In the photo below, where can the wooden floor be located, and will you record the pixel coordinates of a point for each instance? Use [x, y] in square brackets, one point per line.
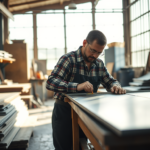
[42, 134]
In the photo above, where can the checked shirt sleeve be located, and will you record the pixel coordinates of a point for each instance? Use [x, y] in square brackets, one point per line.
[108, 81]
[57, 81]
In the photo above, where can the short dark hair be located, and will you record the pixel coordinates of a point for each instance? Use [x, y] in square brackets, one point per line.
[96, 35]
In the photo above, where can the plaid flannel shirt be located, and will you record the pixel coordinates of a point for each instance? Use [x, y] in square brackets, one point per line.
[61, 79]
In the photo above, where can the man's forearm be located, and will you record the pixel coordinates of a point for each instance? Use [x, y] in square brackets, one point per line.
[59, 85]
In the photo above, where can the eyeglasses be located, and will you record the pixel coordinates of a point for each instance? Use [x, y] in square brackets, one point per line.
[95, 52]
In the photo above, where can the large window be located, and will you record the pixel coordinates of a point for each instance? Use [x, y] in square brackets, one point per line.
[140, 32]
[50, 37]
[78, 24]
[109, 20]
[53, 41]
[22, 29]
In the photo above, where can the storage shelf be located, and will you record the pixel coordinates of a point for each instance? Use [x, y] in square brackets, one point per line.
[7, 60]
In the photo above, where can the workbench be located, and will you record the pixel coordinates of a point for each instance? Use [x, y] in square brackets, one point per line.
[110, 121]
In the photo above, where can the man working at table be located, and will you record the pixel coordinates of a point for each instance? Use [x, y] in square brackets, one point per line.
[77, 72]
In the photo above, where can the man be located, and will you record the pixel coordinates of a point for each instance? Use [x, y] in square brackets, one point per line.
[78, 71]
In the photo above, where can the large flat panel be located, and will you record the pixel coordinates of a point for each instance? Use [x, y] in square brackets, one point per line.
[123, 114]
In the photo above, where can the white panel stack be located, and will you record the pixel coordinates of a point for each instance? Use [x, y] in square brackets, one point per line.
[13, 118]
[4, 54]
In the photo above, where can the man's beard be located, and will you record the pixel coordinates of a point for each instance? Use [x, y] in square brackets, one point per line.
[87, 58]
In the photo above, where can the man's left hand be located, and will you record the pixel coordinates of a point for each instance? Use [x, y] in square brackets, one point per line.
[118, 90]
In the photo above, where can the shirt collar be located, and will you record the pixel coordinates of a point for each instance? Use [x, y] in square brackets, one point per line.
[80, 57]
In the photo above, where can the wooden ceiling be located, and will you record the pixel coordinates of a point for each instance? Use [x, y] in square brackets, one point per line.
[22, 6]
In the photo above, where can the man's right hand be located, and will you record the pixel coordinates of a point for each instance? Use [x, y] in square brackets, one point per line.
[86, 86]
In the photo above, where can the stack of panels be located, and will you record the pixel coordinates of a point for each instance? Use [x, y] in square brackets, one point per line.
[4, 54]
[13, 114]
[141, 83]
[21, 140]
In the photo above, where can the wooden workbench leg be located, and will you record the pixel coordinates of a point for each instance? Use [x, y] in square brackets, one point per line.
[75, 130]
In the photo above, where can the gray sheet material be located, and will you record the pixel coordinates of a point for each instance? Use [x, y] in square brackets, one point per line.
[140, 83]
[3, 119]
[5, 106]
[9, 121]
[136, 88]
[122, 114]
[143, 78]
[7, 110]
[7, 129]
[7, 140]
[104, 135]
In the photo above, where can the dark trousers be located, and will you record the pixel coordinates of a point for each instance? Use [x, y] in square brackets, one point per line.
[62, 127]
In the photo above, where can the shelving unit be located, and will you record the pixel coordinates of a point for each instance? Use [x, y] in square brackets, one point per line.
[3, 63]
[7, 60]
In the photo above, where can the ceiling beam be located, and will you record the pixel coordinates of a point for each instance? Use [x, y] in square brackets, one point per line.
[61, 2]
[34, 5]
[51, 6]
[5, 11]
[13, 2]
[30, 2]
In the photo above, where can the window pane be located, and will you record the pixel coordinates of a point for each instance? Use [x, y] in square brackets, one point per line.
[50, 20]
[139, 58]
[132, 29]
[134, 62]
[133, 44]
[76, 35]
[142, 42]
[112, 27]
[21, 21]
[131, 12]
[141, 4]
[51, 37]
[51, 53]
[78, 26]
[138, 24]
[42, 54]
[31, 56]
[138, 42]
[145, 5]
[22, 29]
[85, 7]
[109, 4]
[146, 40]
[142, 58]
[50, 34]
[22, 33]
[146, 57]
[79, 19]
[140, 33]
[51, 63]
[59, 53]
[138, 8]
[146, 23]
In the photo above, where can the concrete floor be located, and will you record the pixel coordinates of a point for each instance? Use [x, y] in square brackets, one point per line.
[42, 134]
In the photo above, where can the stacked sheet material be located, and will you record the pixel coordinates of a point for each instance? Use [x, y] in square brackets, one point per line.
[13, 116]
[141, 83]
[4, 54]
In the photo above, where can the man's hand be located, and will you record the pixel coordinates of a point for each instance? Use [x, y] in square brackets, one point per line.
[117, 90]
[86, 86]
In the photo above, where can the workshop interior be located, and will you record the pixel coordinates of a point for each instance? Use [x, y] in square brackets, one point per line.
[34, 37]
